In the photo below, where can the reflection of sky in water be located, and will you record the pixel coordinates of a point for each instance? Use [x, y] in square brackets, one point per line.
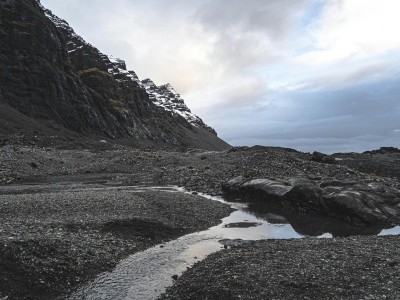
[263, 231]
[146, 274]
[391, 231]
[266, 230]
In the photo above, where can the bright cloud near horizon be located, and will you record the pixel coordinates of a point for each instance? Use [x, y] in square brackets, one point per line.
[307, 74]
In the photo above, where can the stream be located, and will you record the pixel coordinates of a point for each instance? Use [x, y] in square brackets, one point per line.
[146, 275]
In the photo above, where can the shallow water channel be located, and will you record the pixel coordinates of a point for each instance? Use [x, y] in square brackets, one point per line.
[146, 275]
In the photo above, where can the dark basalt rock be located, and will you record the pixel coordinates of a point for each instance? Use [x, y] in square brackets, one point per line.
[322, 158]
[371, 204]
[49, 73]
[255, 189]
[311, 223]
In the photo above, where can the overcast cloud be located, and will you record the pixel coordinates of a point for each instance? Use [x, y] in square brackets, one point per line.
[307, 74]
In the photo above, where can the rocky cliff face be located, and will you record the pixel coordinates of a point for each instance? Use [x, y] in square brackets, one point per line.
[48, 72]
[166, 97]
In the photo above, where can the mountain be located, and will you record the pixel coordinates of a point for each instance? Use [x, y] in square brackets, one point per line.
[48, 73]
[166, 97]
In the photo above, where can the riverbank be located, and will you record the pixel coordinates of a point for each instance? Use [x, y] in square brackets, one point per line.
[54, 237]
[343, 268]
[67, 212]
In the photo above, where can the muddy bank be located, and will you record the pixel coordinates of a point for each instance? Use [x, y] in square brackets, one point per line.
[350, 268]
[54, 237]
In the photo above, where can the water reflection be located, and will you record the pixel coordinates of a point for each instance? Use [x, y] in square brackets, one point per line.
[310, 224]
[145, 275]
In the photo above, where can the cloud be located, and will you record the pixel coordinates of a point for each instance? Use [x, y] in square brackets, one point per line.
[358, 117]
[250, 32]
[356, 29]
[273, 17]
[306, 73]
[342, 76]
[187, 43]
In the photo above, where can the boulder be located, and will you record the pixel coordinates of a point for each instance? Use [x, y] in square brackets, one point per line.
[373, 204]
[255, 189]
[269, 187]
[322, 158]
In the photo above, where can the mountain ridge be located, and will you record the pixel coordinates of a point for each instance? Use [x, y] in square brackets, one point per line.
[117, 67]
[51, 73]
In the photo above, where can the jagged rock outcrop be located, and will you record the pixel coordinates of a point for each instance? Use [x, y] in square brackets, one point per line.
[166, 97]
[373, 204]
[48, 72]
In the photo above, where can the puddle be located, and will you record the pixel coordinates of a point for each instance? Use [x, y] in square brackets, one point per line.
[390, 231]
[146, 275]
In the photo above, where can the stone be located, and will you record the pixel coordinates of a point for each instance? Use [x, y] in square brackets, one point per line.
[269, 187]
[373, 204]
[33, 165]
[322, 158]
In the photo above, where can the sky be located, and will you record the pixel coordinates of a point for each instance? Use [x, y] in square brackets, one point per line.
[306, 74]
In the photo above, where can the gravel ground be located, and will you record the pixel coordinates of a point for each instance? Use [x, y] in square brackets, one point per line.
[54, 237]
[351, 268]
[384, 164]
[66, 214]
[195, 169]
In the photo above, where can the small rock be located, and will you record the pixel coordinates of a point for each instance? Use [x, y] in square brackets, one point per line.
[33, 165]
[322, 158]
[392, 263]
[175, 277]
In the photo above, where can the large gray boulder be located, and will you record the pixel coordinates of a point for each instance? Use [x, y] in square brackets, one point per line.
[256, 189]
[355, 203]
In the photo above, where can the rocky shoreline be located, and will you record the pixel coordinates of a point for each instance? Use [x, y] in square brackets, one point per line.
[68, 212]
[347, 268]
[79, 133]
[54, 237]
[372, 204]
